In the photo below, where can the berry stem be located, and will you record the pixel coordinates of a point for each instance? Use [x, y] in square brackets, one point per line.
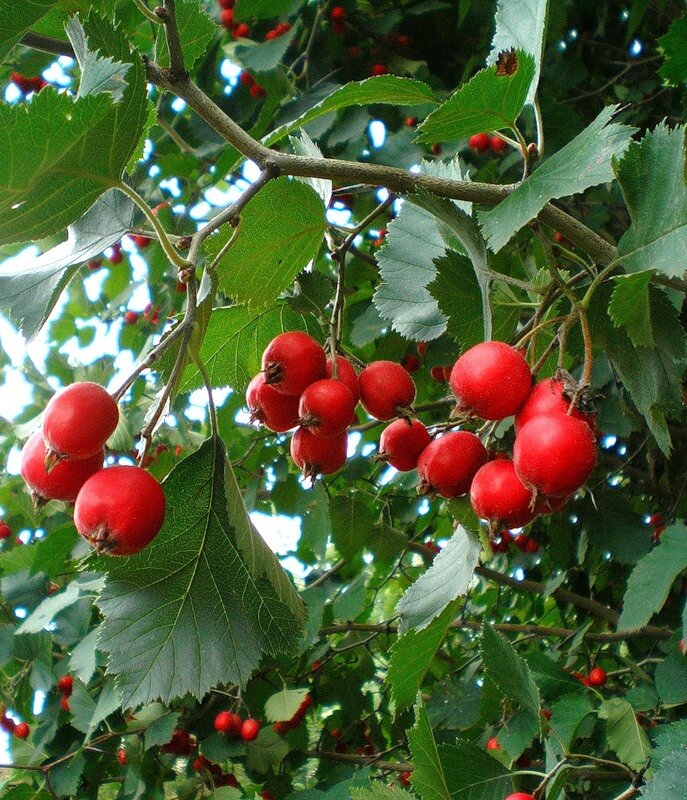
[540, 127]
[143, 8]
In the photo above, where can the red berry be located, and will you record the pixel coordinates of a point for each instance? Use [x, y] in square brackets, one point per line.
[498, 145]
[346, 374]
[386, 389]
[410, 122]
[338, 27]
[326, 408]
[161, 207]
[479, 142]
[64, 704]
[271, 35]
[435, 149]
[227, 3]
[656, 520]
[226, 18]
[225, 723]
[354, 51]
[96, 263]
[421, 348]
[520, 542]
[316, 664]
[405, 778]
[554, 455]
[141, 241]
[178, 450]
[276, 411]
[181, 744]
[116, 257]
[229, 779]
[316, 455]
[493, 744]
[7, 724]
[246, 78]
[292, 361]
[120, 510]
[130, 317]
[121, 756]
[532, 546]
[491, 380]
[597, 677]
[250, 729]
[79, 420]
[282, 27]
[241, 31]
[338, 13]
[336, 733]
[64, 480]
[583, 679]
[257, 91]
[401, 443]
[379, 69]
[410, 363]
[448, 465]
[22, 731]
[546, 713]
[65, 685]
[520, 796]
[547, 397]
[438, 374]
[402, 40]
[5, 531]
[498, 495]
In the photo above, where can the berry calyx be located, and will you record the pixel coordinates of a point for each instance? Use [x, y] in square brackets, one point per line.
[498, 495]
[65, 685]
[598, 677]
[120, 510]
[64, 480]
[326, 408]
[493, 744]
[386, 390]
[315, 455]
[491, 380]
[5, 531]
[79, 420]
[479, 142]
[554, 455]
[292, 361]
[250, 729]
[276, 411]
[345, 372]
[448, 465]
[22, 730]
[548, 397]
[498, 145]
[401, 443]
[225, 722]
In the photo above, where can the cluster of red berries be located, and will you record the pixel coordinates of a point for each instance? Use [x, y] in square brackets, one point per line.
[27, 84]
[284, 726]
[65, 686]
[481, 142]
[181, 743]
[279, 30]
[239, 30]
[255, 89]
[149, 314]
[337, 16]
[19, 729]
[233, 725]
[597, 677]
[204, 765]
[504, 540]
[63, 460]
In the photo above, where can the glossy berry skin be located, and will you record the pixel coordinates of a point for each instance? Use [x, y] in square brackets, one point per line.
[5, 531]
[346, 374]
[22, 730]
[448, 464]
[64, 480]
[597, 677]
[316, 455]
[547, 398]
[250, 729]
[520, 796]
[276, 411]
[386, 389]
[326, 408]
[554, 455]
[479, 142]
[498, 145]
[498, 495]
[141, 241]
[225, 723]
[79, 420]
[65, 685]
[401, 443]
[120, 510]
[292, 361]
[241, 31]
[491, 380]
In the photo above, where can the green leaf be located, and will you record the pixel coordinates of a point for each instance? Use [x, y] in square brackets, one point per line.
[516, 736]
[266, 753]
[521, 25]
[234, 342]
[625, 735]
[384, 89]
[17, 18]
[509, 671]
[352, 523]
[629, 307]
[459, 298]
[207, 584]
[673, 48]
[488, 102]
[649, 584]
[82, 662]
[411, 657]
[48, 609]
[668, 782]
[584, 162]
[447, 578]
[669, 739]
[671, 679]
[98, 73]
[472, 773]
[428, 778]
[29, 295]
[551, 679]
[258, 57]
[651, 177]
[263, 9]
[283, 705]
[567, 716]
[196, 31]
[379, 791]
[281, 230]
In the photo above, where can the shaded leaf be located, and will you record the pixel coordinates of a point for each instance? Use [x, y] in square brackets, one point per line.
[266, 753]
[283, 705]
[625, 735]
[668, 782]
[196, 31]
[17, 18]
[472, 773]
[673, 48]
[98, 73]
[259, 57]
[629, 307]
[427, 778]
[509, 671]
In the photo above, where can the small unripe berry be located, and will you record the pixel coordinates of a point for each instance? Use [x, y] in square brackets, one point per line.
[448, 465]
[65, 685]
[401, 443]
[316, 455]
[326, 408]
[479, 142]
[386, 390]
[597, 677]
[292, 361]
[250, 729]
[7, 724]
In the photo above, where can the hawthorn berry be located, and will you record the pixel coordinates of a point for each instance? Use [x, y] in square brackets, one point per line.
[130, 317]
[498, 145]
[656, 520]
[493, 744]
[520, 542]
[227, 3]
[337, 13]
[354, 51]
[597, 677]
[401, 443]
[498, 495]
[292, 361]
[315, 455]
[345, 372]
[121, 756]
[491, 380]
[402, 40]
[22, 731]
[276, 411]
[246, 79]
[386, 390]
[181, 744]
[410, 122]
[532, 546]
[120, 510]
[65, 685]
[448, 465]
[479, 142]
[404, 778]
[379, 69]
[5, 531]
[64, 704]
[226, 18]
[250, 729]
[7, 724]
[64, 480]
[257, 91]
[79, 420]
[116, 257]
[410, 363]
[241, 31]
[225, 722]
[520, 796]
[583, 679]
[141, 241]
[326, 408]
[439, 374]
[548, 397]
[435, 149]
[336, 733]
[554, 455]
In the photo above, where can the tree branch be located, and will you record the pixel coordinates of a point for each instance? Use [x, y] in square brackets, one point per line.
[48, 44]
[345, 758]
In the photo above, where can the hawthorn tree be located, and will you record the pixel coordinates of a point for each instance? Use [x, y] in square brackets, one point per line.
[427, 206]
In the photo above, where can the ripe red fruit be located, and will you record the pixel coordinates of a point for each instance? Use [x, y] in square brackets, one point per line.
[410, 363]
[402, 40]
[498, 145]
[120, 510]
[421, 348]
[346, 374]
[227, 3]
[130, 317]
[410, 122]
[121, 756]
[405, 778]
[64, 480]
[326, 408]
[22, 731]
[5, 531]
[337, 13]
[546, 398]
[336, 733]
[435, 149]
[141, 241]
[401, 443]
[583, 679]
[95, 264]
[79, 420]
[246, 79]
[116, 256]
[520, 542]
[498, 495]
[226, 18]
[479, 142]
[491, 380]
[316, 455]
[354, 50]
[241, 31]
[257, 91]
[292, 361]
[438, 374]
[386, 389]
[520, 796]
[554, 455]
[7, 724]
[276, 411]
[65, 685]
[250, 729]
[656, 520]
[181, 744]
[448, 465]
[225, 723]
[379, 69]
[64, 704]
[597, 677]
[532, 546]
[493, 744]
[271, 35]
